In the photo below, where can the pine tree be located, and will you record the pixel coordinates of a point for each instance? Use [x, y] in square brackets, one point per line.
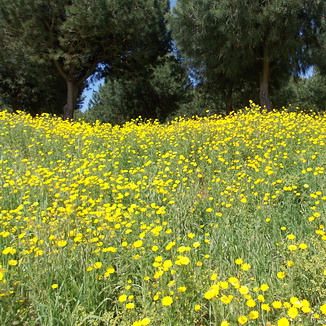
[29, 86]
[81, 37]
[153, 92]
[238, 39]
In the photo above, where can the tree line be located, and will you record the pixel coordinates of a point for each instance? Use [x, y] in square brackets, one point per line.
[157, 62]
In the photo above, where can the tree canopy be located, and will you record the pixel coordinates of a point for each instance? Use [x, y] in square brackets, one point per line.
[29, 86]
[78, 35]
[246, 39]
[152, 93]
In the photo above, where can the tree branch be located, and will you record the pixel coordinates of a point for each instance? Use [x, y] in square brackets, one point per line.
[60, 70]
[90, 71]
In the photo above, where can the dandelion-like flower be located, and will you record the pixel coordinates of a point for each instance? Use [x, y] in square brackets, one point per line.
[167, 301]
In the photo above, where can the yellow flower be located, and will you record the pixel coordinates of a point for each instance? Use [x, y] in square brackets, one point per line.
[242, 320]
[137, 244]
[295, 302]
[265, 307]
[281, 275]
[239, 261]
[223, 285]
[283, 322]
[109, 271]
[226, 299]
[197, 307]
[251, 303]
[210, 294]
[254, 314]
[245, 266]
[167, 301]
[292, 247]
[170, 245]
[171, 283]
[167, 264]
[62, 243]
[130, 305]
[306, 309]
[277, 304]
[54, 286]
[323, 309]
[233, 280]
[97, 265]
[264, 287]
[244, 290]
[39, 253]
[286, 304]
[225, 323]
[12, 262]
[109, 249]
[122, 298]
[146, 321]
[293, 312]
[9, 250]
[182, 260]
[182, 289]
[214, 276]
[137, 323]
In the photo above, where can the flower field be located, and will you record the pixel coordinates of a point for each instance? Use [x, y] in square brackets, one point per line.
[206, 221]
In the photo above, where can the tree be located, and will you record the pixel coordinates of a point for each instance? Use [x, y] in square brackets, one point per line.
[319, 59]
[241, 39]
[81, 37]
[305, 93]
[153, 93]
[25, 85]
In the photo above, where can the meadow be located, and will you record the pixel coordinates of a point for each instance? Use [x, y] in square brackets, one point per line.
[202, 221]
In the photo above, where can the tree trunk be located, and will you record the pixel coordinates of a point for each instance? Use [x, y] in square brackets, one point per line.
[72, 94]
[265, 102]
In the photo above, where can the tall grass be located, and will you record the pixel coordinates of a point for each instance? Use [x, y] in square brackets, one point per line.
[207, 221]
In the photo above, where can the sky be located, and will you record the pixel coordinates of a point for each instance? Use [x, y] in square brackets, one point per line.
[94, 87]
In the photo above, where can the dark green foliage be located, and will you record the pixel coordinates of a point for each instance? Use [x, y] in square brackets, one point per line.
[250, 41]
[319, 52]
[153, 93]
[305, 93]
[78, 35]
[24, 85]
[206, 99]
